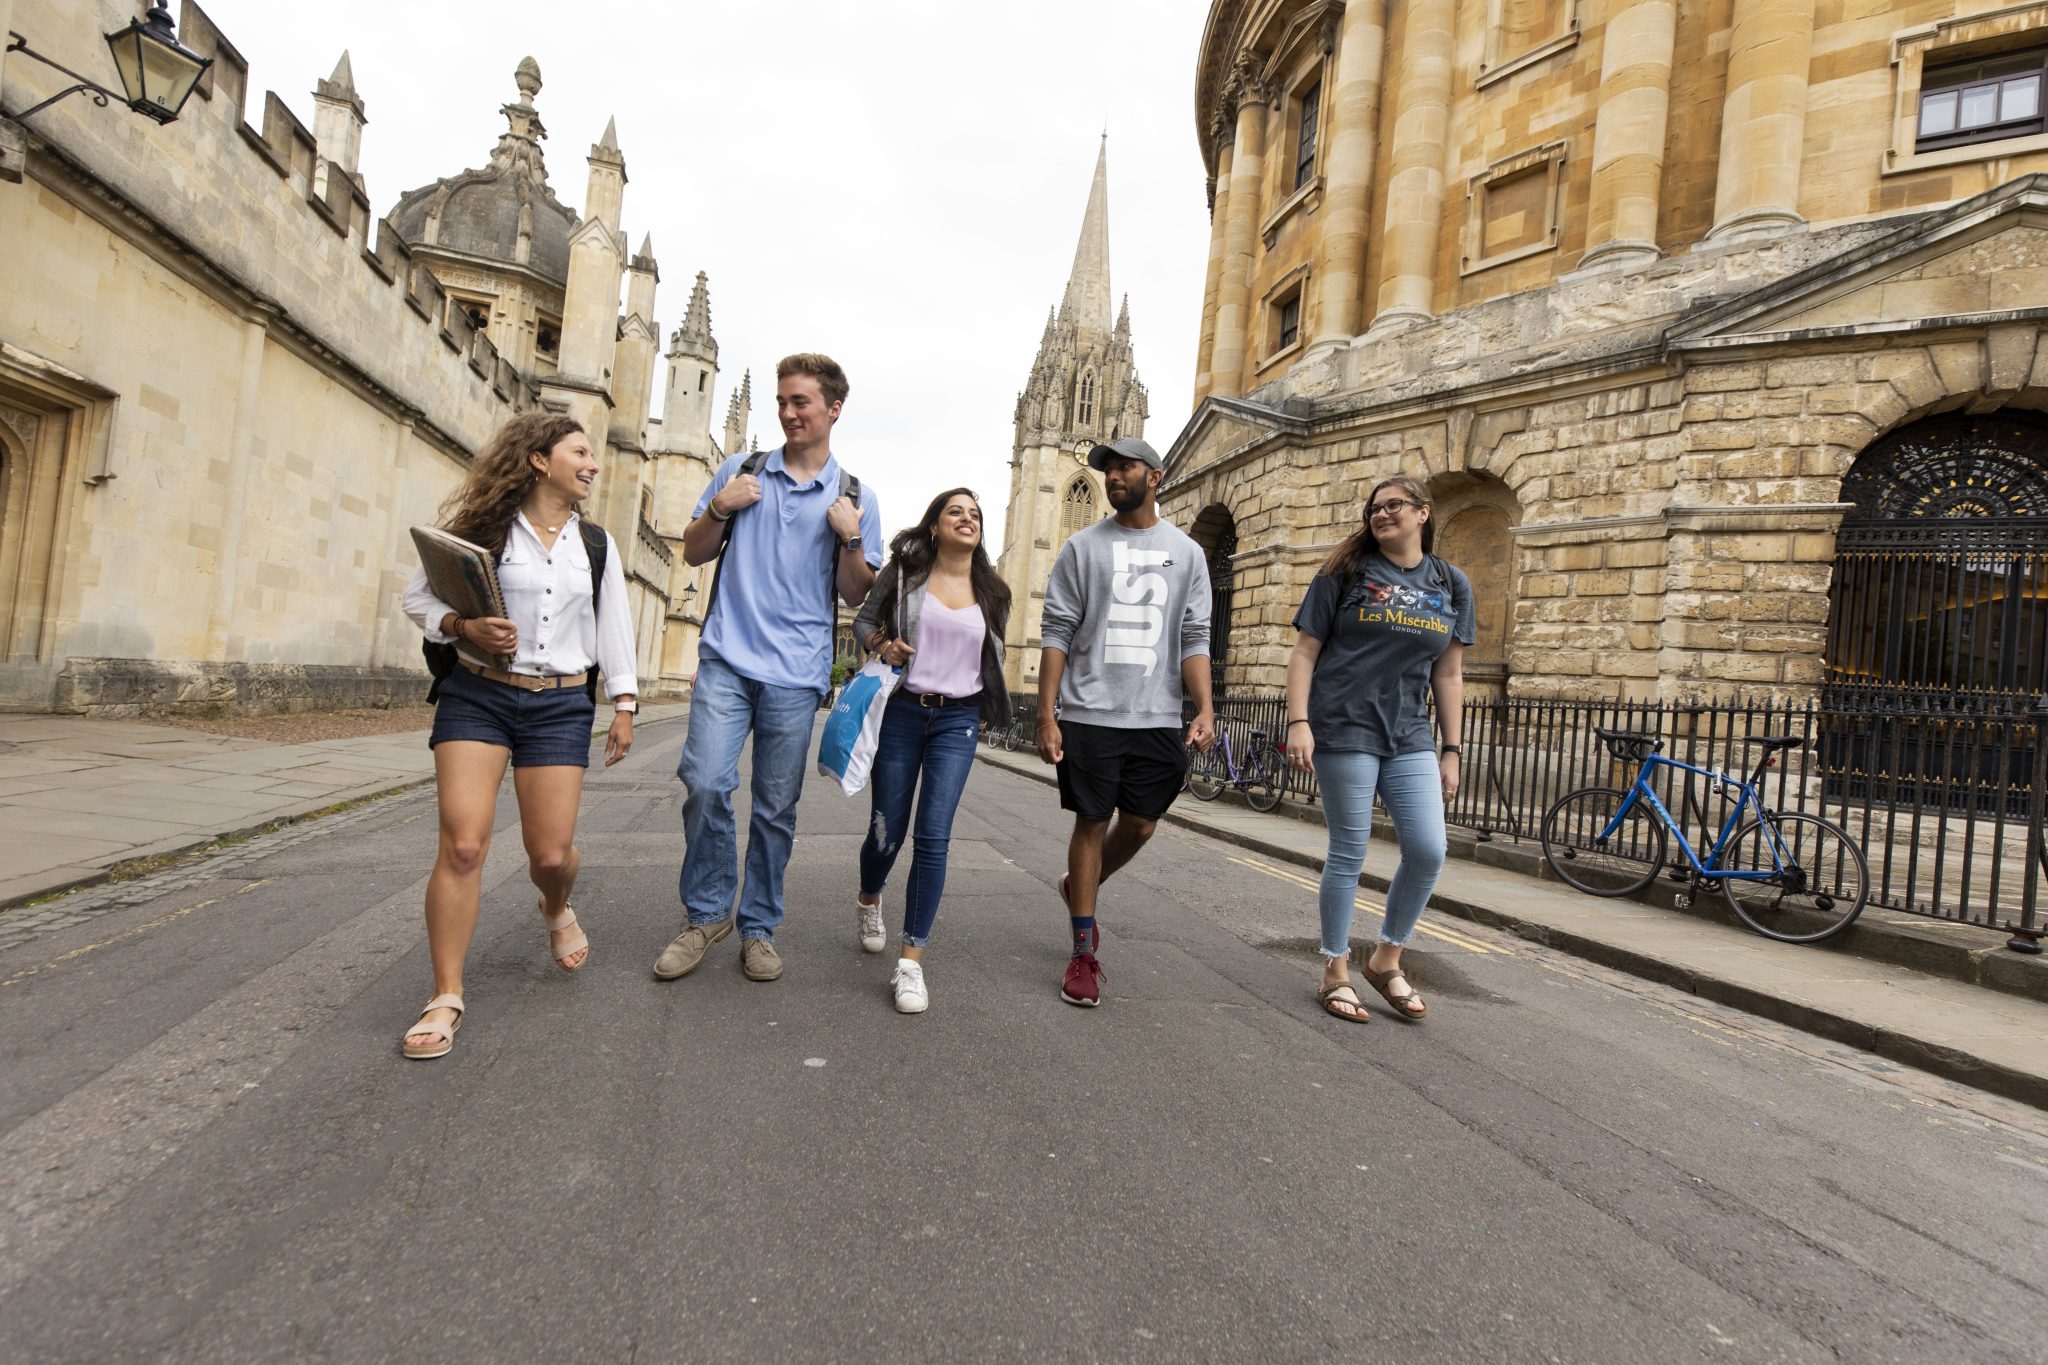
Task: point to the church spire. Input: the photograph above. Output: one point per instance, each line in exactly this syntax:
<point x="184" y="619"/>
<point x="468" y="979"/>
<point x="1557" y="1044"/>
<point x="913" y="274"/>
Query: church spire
<point x="1086" y="303"/>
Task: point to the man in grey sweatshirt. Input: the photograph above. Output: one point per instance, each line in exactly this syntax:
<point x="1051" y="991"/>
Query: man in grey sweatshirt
<point x="1126" y="630"/>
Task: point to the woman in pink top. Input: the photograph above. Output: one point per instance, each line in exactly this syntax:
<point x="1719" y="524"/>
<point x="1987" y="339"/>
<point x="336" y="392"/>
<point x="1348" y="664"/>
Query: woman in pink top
<point x="936" y="611"/>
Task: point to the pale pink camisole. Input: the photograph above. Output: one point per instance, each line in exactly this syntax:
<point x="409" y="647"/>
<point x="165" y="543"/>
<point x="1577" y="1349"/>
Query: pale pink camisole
<point x="948" y="658"/>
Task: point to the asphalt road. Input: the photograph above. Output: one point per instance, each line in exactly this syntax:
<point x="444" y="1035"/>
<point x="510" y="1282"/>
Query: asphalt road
<point x="210" y="1148"/>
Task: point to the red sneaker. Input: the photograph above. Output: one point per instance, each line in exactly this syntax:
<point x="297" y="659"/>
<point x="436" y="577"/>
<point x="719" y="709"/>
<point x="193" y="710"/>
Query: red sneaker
<point x="1083" y="984"/>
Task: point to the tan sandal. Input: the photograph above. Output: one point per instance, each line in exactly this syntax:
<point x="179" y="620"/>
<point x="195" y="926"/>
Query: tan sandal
<point x="562" y="923"/>
<point x="1332" y="996"/>
<point x="443" y="1035"/>
<point x="1408" y="1006"/>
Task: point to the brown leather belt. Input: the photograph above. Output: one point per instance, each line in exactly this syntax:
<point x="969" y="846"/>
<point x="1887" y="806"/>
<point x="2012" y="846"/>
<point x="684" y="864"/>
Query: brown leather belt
<point x="527" y="682"/>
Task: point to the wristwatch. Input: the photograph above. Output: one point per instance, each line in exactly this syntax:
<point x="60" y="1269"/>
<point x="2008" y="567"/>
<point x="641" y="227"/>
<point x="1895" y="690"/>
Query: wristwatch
<point x="626" y="705"/>
<point x="1448" y="749"/>
<point x="850" y="543"/>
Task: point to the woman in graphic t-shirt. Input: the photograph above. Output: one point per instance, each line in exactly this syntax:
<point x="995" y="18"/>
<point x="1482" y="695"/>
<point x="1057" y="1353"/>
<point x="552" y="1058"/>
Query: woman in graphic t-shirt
<point x="937" y="611"/>
<point x="1383" y="625"/>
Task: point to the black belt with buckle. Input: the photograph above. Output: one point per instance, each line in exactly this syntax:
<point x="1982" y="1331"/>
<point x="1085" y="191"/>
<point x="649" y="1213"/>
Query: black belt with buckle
<point x="929" y="700"/>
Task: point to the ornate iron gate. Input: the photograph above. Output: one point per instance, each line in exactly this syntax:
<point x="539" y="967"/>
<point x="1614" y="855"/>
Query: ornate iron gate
<point x="1221" y="573"/>
<point x="1939" y="608"/>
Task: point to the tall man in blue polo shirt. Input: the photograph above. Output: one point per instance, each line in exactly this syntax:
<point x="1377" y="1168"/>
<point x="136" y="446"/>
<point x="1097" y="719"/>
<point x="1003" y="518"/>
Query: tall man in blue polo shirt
<point x="765" y="660"/>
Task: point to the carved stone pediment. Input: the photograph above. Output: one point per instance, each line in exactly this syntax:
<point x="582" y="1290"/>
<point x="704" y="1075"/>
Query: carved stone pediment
<point x="1978" y="262"/>
<point x="1220" y="428"/>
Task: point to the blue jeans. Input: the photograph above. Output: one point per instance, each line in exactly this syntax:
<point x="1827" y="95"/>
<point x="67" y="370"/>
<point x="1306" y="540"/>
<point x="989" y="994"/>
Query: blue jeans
<point x="1412" y="787"/>
<point x="724" y="707"/>
<point x="939" y="741"/>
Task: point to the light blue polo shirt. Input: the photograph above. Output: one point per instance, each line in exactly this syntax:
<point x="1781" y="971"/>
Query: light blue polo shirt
<point x="772" y="621"/>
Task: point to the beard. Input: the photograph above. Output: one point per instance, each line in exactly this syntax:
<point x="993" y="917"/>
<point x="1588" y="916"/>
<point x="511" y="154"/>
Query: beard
<point x="1126" y="497"/>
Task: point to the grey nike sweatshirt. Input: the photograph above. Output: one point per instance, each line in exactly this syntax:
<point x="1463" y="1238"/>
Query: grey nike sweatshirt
<point x="1127" y="607"/>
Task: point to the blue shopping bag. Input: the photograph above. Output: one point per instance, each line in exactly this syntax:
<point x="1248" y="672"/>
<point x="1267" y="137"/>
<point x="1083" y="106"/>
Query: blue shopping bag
<point x="847" y="749"/>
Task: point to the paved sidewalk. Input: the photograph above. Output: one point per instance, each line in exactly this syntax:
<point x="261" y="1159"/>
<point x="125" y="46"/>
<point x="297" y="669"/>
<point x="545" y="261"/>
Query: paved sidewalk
<point x="1988" y="1038"/>
<point x="79" y="797"/>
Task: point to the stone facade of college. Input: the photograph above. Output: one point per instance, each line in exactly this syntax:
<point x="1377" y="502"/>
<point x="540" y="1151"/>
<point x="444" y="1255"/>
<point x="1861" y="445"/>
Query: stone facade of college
<point x="1638" y="289"/>
<point x="228" y="387"/>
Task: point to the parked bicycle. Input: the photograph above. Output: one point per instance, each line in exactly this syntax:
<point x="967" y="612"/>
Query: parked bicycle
<point x="1792" y="877"/>
<point x="1260" y="776"/>
<point x="1009" y="737"/>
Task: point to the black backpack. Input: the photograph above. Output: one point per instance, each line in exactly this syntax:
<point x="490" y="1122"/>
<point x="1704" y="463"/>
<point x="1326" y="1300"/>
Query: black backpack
<point x="441" y="658"/>
<point x="849" y="487"/>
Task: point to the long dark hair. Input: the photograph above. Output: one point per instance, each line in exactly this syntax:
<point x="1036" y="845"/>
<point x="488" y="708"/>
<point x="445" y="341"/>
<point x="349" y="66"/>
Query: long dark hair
<point x="1362" y="543"/>
<point x="912" y="555"/>
<point x="482" y="508"/>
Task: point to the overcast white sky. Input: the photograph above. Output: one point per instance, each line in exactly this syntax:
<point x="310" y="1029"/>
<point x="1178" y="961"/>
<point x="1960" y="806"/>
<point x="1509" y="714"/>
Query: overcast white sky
<point x="897" y="183"/>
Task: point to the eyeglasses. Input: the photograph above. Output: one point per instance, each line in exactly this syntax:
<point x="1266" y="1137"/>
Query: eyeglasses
<point x="1392" y="507"/>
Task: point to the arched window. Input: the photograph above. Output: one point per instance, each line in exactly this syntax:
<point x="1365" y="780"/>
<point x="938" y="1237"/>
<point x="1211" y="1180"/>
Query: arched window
<point x="1079" y="509"/>
<point x="1084" y="400"/>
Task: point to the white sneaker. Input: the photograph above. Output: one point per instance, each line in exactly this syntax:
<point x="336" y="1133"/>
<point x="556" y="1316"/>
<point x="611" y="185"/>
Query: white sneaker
<point x="911" y="997"/>
<point x="872" y="939"/>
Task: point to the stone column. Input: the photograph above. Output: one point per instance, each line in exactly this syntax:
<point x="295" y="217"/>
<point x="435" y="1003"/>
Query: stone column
<point x="1219" y="215"/>
<point x="1240" y="238"/>
<point x="1628" y="136"/>
<point x="1347" y="174"/>
<point x="1415" y="191"/>
<point x="1763" y="119"/>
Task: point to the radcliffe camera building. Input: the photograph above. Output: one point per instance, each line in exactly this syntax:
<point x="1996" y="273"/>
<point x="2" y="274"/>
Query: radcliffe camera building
<point x="1716" y="331"/>
<point x="227" y="389"/>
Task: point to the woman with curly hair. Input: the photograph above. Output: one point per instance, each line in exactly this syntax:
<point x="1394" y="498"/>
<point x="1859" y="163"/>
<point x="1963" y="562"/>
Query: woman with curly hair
<point x="563" y="626"/>
<point x="937" y="612"/>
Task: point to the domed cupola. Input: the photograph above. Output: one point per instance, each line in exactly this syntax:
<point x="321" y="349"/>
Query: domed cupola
<point x="506" y="212"/>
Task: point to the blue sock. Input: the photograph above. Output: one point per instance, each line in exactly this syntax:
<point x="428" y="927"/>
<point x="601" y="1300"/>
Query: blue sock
<point x="1083" y="929"/>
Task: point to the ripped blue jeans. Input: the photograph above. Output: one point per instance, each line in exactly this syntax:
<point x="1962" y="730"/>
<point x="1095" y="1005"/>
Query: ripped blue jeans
<point x="938" y="744"/>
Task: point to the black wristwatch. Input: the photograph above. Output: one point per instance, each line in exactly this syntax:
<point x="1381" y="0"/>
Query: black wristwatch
<point x="1448" y="749"/>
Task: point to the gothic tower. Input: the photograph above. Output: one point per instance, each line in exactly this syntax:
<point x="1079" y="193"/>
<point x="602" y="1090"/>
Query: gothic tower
<point x="1083" y="390"/>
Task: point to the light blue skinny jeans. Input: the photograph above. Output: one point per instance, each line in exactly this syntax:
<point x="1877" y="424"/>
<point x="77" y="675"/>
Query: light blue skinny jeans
<point x="1412" y="787"/>
<point x="724" y="709"/>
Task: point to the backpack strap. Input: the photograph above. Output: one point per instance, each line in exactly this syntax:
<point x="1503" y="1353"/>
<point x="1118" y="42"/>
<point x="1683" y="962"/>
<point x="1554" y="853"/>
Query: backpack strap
<point x="597" y="545"/>
<point x="751" y="465"/>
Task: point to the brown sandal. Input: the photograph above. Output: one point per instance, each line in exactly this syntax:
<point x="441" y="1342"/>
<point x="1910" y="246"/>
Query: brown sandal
<point x="1408" y="1006"/>
<point x="1331" y="996"/>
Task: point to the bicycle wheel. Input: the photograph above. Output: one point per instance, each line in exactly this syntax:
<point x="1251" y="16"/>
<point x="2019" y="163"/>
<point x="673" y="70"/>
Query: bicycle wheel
<point x="1013" y="735"/>
<point x="1262" y="784"/>
<point x="1206" y="771"/>
<point x="1616" y="865"/>
<point x="1818" y="885"/>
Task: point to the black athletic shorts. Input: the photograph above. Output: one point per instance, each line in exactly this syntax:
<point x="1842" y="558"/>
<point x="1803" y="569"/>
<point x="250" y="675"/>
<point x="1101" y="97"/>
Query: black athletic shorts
<point x="1108" y="768"/>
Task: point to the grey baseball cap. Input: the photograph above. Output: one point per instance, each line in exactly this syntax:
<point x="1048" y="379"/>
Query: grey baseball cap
<point x="1130" y="448"/>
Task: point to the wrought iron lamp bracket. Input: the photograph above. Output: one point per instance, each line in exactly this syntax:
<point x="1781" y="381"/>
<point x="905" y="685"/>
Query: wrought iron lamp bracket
<point x="99" y="93"/>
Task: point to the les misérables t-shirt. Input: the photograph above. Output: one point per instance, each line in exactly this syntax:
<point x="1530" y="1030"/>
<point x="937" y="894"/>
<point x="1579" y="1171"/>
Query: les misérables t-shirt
<point x="1383" y="628"/>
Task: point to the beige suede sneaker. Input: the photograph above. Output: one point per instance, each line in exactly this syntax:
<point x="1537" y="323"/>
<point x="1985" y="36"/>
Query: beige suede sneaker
<point x="759" y="960"/>
<point x="681" y="957"/>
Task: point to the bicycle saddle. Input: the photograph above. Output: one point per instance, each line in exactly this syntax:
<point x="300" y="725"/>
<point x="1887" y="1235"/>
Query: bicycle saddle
<point x="1628" y="737"/>
<point x="1778" y="741"/>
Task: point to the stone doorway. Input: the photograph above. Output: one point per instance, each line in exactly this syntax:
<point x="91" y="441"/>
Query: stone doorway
<point x="1475" y="516"/>
<point x="1215" y="530"/>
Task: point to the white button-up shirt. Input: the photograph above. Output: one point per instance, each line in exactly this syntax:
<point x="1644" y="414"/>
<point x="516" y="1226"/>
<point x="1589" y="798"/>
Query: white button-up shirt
<point x="547" y="596"/>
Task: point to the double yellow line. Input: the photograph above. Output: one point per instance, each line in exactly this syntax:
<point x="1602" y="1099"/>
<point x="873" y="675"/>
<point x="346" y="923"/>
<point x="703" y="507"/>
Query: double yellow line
<point x="1377" y="908"/>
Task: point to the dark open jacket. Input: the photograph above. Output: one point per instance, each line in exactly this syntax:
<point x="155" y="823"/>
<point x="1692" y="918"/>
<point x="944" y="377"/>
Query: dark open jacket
<point x="880" y="606"/>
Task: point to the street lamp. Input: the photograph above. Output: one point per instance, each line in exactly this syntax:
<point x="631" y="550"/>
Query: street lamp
<point x="158" y="73"/>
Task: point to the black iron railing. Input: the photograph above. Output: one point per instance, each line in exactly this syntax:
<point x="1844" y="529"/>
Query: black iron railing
<point x="1949" y="806"/>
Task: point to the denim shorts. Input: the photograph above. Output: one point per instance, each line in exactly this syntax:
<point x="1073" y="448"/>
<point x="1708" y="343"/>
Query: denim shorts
<point x="542" y="729"/>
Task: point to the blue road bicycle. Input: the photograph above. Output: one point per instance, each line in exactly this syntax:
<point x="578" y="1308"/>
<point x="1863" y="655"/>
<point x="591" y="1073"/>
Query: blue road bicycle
<point x="1795" y="878"/>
